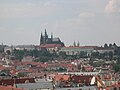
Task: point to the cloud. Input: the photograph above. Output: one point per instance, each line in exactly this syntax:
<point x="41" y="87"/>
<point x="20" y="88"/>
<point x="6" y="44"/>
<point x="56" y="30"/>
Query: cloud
<point x="86" y="15"/>
<point x="26" y="9"/>
<point x="80" y="21"/>
<point x="71" y="29"/>
<point x="113" y="6"/>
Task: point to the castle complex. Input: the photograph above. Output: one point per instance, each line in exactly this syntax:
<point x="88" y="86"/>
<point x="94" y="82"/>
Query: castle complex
<point x="44" y="39"/>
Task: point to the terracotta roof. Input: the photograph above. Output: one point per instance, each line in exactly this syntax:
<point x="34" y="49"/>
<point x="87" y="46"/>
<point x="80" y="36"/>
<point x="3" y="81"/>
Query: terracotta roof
<point x="81" y="79"/>
<point x="2" y="67"/>
<point x="88" y="68"/>
<point x="81" y="47"/>
<point x="115" y="85"/>
<point x="42" y="65"/>
<point x="9" y="88"/>
<point x="32" y="63"/>
<point x="60" y="77"/>
<point x="51" y="45"/>
<point x="15" y="81"/>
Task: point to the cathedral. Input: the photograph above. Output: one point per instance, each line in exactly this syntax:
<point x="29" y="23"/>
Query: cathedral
<point x="44" y="39"/>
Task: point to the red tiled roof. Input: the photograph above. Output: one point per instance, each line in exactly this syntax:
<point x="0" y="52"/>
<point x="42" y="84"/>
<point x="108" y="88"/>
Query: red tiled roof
<point x="9" y="88"/>
<point x="115" y="85"/>
<point x="16" y="62"/>
<point x="15" y="81"/>
<point x="2" y="67"/>
<point x="82" y="47"/>
<point x="22" y="71"/>
<point x="60" y="77"/>
<point x="88" y="68"/>
<point x="82" y="79"/>
<point x="42" y="65"/>
<point x="66" y="65"/>
<point x="32" y="63"/>
<point x="51" y="45"/>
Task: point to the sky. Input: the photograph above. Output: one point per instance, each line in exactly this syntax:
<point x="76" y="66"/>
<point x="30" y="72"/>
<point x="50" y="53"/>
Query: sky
<point x="91" y="22"/>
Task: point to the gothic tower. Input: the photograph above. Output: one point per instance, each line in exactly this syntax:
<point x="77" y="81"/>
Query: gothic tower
<point x="51" y="37"/>
<point x="45" y="37"/>
<point x="41" y="39"/>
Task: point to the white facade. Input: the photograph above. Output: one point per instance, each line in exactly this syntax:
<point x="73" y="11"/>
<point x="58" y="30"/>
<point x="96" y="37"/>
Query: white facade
<point x="104" y="50"/>
<point x="77" y="50"/>
<point x="19" y="47"/>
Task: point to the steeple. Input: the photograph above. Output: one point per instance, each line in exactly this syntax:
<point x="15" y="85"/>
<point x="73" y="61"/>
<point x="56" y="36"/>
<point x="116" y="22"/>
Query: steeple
<point x="78" y="44"/>
<point x="46" y="37"/>
<point x="74" y="44"/>
<point x="46" y="34"/>
<point x="51" y="36"/>
<point x="41" y="39"/>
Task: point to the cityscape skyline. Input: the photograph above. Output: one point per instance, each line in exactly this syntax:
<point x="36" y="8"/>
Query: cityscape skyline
<point x="91" y="22"/>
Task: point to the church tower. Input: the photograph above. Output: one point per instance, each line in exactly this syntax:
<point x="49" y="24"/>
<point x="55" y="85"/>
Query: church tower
<point x="51" y="37"/>
<point x="74" y="44"/>
<point x="41" y="39"/>
<point x="78" y="44"/>
<point x="45" y="37"/>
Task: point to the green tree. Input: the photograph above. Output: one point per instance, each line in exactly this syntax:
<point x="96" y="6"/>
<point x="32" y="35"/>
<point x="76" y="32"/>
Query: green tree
<point x="116" y="67"/>
<point x="63" y="55"/>
<point x="83" y="54"/>
<point x="95" y="55"/>
<point x="18" y="54"/>
<point x="110" y="55"/>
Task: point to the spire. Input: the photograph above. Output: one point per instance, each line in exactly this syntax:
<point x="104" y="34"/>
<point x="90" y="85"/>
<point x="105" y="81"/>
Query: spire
<point x="74" y="44"/>
<point x="78" y="44"/>
<point x="41" y="39"/>
<point x="51" y="35"/>
<point x="46" y="34"/>
<point x="46" y="37"/>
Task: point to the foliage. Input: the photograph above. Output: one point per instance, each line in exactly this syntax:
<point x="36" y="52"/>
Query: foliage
<point x="18" y="54"/>
<point x="116" y="67"/>
<point x="62" y="55"/>
<point x="21" y="74"/>
<point x="98" y="64"/>
<point x="62" y="70"/>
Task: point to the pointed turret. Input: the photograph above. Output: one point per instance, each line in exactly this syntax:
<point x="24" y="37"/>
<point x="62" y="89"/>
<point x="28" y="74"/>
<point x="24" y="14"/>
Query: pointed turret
<point x="51" y="36"/>
<point x="41" y="39"/>
<point x="46" y="33"/>
<point x="78" y="44"/>
<point x="46" y="37"/>
<point x="74" y="44"/>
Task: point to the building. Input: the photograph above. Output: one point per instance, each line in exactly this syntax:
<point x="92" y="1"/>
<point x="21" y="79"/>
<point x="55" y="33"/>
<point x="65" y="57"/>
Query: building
<point x="2" y="48"/>
<point x="19" y="47"/>
<point x="51" y="44"/>
<point x="103" y="50"/>
<point x="42" y="84"/>
<point x="9" y="88"/>
<point x="44" y="39"/>
<point x="76" y="50"/>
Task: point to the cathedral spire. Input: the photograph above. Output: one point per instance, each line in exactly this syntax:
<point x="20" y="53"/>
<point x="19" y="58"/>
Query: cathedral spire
<point x="41" y="39"/>
<point x="46" y="37"/>
<point x="74" y="44"/>
<point x="46" y="33"/>
<point x="51" y="35"/>
<point x="78" y="44"/>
